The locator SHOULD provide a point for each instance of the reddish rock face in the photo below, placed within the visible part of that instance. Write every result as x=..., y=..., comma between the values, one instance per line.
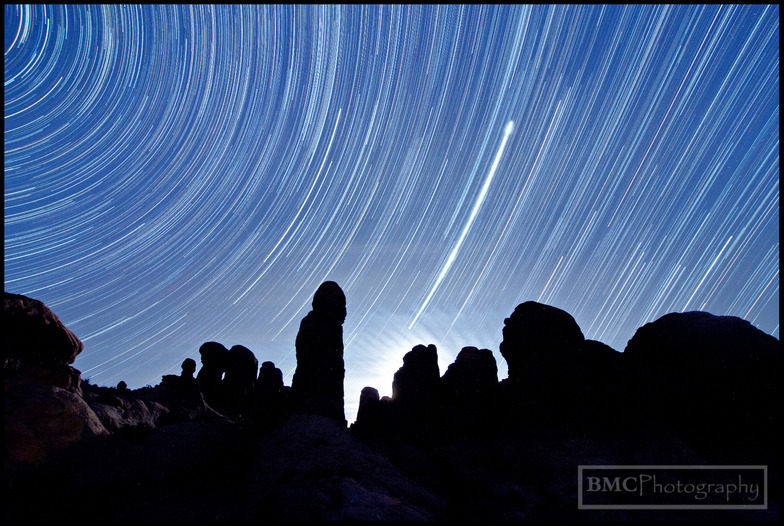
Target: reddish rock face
x=43, y=407
x=39, y=418
x=32, y=332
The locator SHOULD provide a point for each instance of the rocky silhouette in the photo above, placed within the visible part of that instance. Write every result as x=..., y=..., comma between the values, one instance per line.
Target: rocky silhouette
x=214, y=362
x=271, y=396
x=236, y=444
x=415, y=386
x=239, y=382
x=539, y=345
x=714, y=380
x=317, y=385
x=43, y=408
x=556, y=376
x=470, y=390
x=185, y=380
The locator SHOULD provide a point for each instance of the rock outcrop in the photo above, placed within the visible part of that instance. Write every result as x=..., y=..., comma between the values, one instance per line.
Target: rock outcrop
x=317, y=385
x=469, y=389
x=214, y=362
x=32, y=332
x=43, y=409
x=271, y=396
x=240, y=381
x=337, y=477
x=714, y=380
x=416, y=386
x=557, y=377
x=690, y=389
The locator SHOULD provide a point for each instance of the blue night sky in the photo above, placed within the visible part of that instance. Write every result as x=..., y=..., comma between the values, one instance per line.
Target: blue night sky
x=179, y=174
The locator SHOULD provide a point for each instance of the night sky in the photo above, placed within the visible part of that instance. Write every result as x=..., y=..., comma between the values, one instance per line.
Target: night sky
x=180, y=174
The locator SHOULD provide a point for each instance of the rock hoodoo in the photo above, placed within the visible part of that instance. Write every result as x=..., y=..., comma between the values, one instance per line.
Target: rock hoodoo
x=317, y=385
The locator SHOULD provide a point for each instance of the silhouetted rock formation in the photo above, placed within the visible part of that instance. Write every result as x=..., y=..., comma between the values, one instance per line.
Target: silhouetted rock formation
x=538, y=346
x=416, y=385
x=134, y=414
x=214, y=362
x=37, y=347
x=188, y=368
x=713, y=379
x=601, y=390
x=239, y=382
x=690, y=389
x=556, y=376
x=271, y=396
x=42, y=403
x=34, y=333
x=370, y=414
x=227, y=379
x=185, y=380
x=470, y=389
x=317, y=386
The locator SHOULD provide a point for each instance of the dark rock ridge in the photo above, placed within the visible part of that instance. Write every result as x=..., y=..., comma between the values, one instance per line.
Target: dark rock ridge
x=234, y=443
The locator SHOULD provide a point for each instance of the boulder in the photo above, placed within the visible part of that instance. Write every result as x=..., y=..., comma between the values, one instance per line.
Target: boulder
x=40, y=418
x=20, y=372
x=33, y=333
x=122, y=411
x=714, y=380
x=37, y=347
x=43, y=409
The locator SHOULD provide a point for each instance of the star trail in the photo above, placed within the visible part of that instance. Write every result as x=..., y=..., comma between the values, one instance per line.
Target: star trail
x=176, y=174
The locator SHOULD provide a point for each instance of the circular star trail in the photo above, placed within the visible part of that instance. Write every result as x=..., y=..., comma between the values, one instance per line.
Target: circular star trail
x=177, y=174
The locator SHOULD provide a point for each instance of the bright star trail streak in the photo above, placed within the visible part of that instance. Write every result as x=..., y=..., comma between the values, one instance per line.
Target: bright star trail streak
x=479, y=200
x=176, y=174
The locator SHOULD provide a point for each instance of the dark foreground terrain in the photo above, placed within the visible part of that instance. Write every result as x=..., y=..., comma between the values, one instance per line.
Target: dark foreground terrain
x=690, y=389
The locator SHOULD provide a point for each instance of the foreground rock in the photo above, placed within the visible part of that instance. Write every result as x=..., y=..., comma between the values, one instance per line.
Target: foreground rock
x=713, y=380
x=312, y=468
x=33, y=333
x=43, y=409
